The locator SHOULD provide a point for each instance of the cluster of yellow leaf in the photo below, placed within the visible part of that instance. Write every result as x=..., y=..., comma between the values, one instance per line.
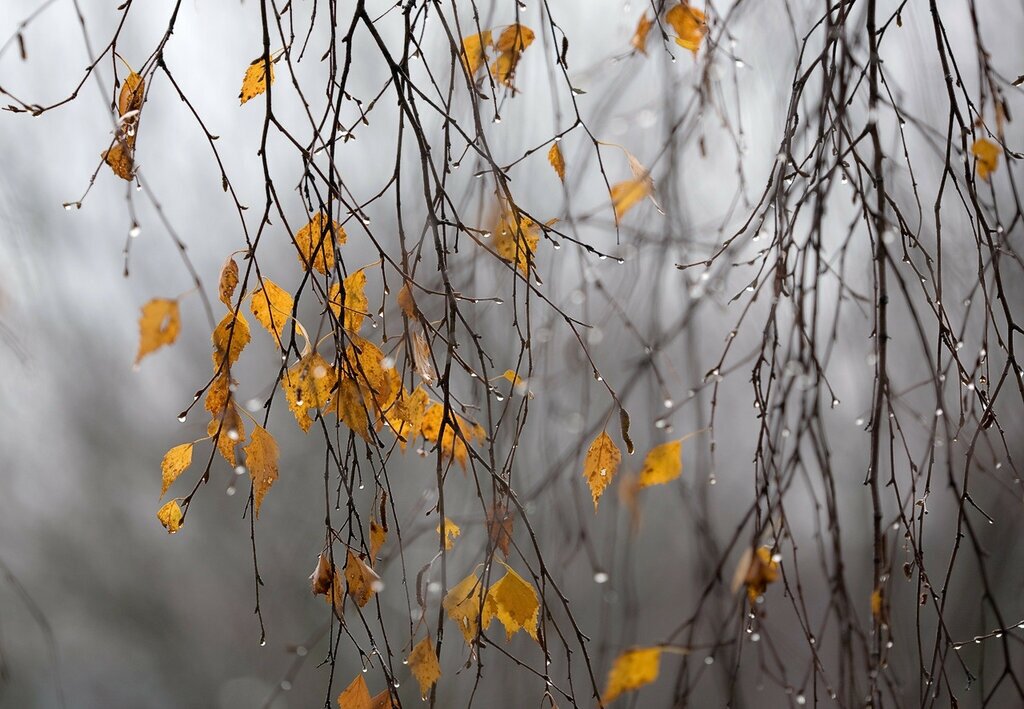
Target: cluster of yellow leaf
x=121, y=155
x=424, y=665
x=600, y=465
x=317, y=242
x=632, y=670
x=689, y=24
x=508, y=48
x=452, y=444
x=254, y=82
x=516, y=237
x=987, y=154
x=357, y=696
x=511, y=600
x=757, y=568
x=159, y=325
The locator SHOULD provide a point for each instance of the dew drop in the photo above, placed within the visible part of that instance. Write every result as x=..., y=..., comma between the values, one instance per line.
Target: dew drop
x=600, y=577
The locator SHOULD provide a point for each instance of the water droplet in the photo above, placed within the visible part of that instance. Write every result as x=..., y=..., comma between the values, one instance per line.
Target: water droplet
x=285, y=685
x=667, y=403
x=600, y=577
x=134, y=231
x=182, y=416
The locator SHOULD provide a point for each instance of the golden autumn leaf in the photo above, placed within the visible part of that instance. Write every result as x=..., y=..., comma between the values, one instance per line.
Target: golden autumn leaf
x=639, y=39
x=424, y=665
x=474, y=51
x=159, y=325
x=663, y=464
x=229, y=339
x=876, y=602
x=132, y=94
x=356, y=695
x=514, y=603
x=352, y=307
x=261, y=459
x=379, y=385
x=463, y=605
x=363, y=581
x=756, y=569
x=987, y=154
x=689, y=24
x=350, y=407
x=406, y=416
x=510, y=44
x=254, y=82
x=600, y=465
x=308, y=385
x=228, y=281
x=322, y=576
x=632, y=670
x=175, y=462
x=272, y=305
x=317, y=241
x=407, y=303
x=378, y=535
x=219, y=393
x=516, y=240
x=170, y=516
x=449, y=532
x=451, y=444
x=627, y=194
x=228, y=429
x=557, y=161
x=121, y=160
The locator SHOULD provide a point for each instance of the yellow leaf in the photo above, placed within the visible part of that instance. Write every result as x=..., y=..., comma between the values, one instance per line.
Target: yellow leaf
x=218, y=394
x=322, y=576
x=351, y=409
x=228, y=281
x=353, y=307
x=406, y=302
x=365, y=364
x=514, y=378
x=272, y=307
x=600, y=465
x=356, y=695
x=987, y=154
x=514, y=603
x=463, y=606
x=756, y=569
x=452, y=444
x=474, y=51
x=511, y=44
x=255, y=80
x=229, y=339
x=663, y=464
x=132, y=94
x=121, y=160
x=516, y=240
x=557, y=161
x=175, y=462
x=378, y=535
x=228, y=429
x=689, y=24
x=261, y=459
x=159, y=325
x=876, y=603
x=406, y=416
x=170, y=516
x=639, y=40
x=308, y=385
x=627, y=194
x=450, y=533
x=317, y=241
x=424, y=665
x=363, y=581
x=632, y=670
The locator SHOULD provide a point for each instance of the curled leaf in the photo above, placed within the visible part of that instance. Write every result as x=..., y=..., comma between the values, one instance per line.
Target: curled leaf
x=159, y=325
x=557, y=161
x=689, y=24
